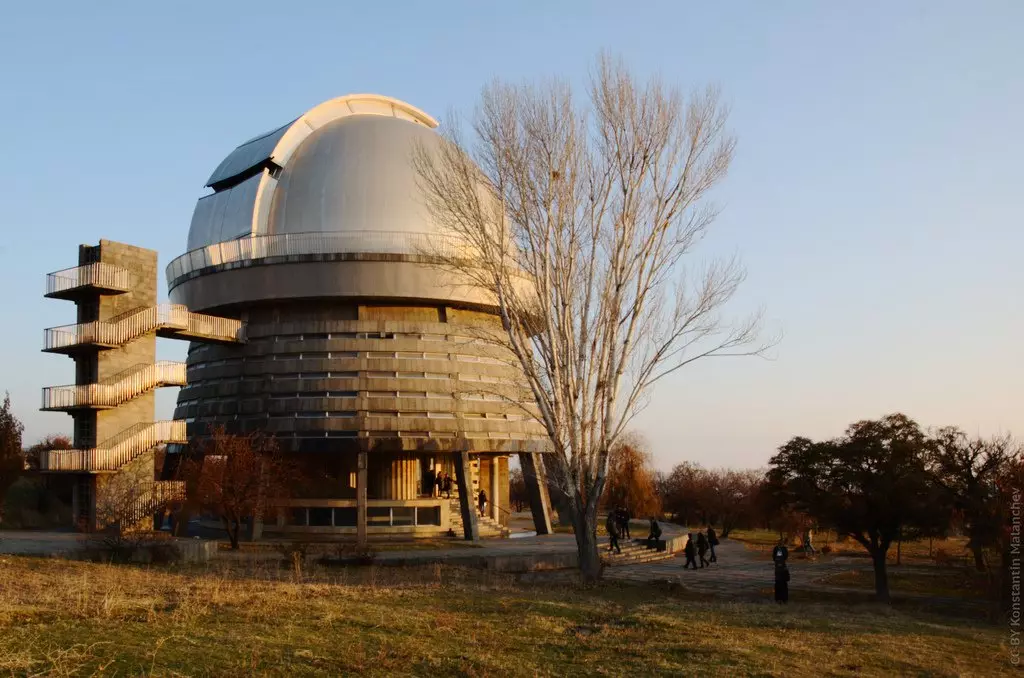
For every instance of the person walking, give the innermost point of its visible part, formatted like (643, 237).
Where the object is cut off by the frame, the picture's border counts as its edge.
(447, 486)
(438, 483)
(625, 517)
(781, 583)
(702, 548)
(712, 543)
(690, 551)
(808, 546)
(611, 525)
(483, 503)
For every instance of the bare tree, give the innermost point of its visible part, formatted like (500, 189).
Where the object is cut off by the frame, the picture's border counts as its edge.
(517, 493)
(577, 221)
(968, 470)
(240, 477)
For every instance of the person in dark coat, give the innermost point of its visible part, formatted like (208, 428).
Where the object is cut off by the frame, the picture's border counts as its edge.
(624, 518)
(655, 533)
(690, 551)
(611, 525)
(439, 483)
(780, 554)
(702, 548)
(781, 583)
(447, 486)
(712, 543)
(483, 502)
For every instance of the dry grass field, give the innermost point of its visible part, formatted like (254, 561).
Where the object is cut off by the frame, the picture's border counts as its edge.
(67, 618)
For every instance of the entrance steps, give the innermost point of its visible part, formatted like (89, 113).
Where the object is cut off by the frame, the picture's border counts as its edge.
(488, 526)
(635, 551)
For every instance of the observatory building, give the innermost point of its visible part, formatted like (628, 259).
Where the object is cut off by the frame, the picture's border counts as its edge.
(360, 355)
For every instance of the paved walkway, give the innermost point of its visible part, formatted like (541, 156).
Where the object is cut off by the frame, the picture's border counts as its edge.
(739, 572)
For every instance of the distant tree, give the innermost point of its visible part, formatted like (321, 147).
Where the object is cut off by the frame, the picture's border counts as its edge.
(517, 489)
(871, 484)
(50, 442)
(681, 491)
(968, 470)
(12, 463)
(239, 477)
(631, 479)
(727, 497)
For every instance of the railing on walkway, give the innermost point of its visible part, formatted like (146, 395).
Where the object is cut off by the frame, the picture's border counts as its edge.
(151, 498)
(119, 388)
(114, 453)
(298, 244)
(121, 329)
(101, 275)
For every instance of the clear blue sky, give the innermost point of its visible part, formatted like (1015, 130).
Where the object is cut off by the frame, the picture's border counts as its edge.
(876, 197)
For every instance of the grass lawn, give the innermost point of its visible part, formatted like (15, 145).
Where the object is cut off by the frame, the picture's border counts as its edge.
(952, 550)
(75, 618)
(932, 581)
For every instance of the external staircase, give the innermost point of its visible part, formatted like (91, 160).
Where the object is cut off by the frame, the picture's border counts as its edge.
(166, 320)
(113, 276)
(634, 551)
(488, 526)
(152, 498)
(113, 454)
(116, 390)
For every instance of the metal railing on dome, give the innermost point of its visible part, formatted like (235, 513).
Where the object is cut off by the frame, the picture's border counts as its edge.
(105, 276)
(117, 389)
(117, 451)
(298, 244)
(136, 322)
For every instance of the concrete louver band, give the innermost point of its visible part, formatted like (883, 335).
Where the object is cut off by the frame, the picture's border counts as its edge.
(305, 375)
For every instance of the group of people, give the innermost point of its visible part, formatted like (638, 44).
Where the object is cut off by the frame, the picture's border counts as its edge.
(442, 482)
(704, 543)
(617, 525)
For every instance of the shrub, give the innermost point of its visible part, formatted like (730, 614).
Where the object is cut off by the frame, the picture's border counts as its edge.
(118, 547)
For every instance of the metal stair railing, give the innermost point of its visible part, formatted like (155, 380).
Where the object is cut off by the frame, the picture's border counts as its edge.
(114, 453)
(117, 389)
(150, 498)
(121, 329)
(98, 274)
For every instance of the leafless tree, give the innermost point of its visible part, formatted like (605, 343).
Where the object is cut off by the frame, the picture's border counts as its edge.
(241, 477)
(578, 221)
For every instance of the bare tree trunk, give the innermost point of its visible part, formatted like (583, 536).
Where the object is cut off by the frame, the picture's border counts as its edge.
(979, 557)
(899, 547)
(585, 527)
(232, 528)
(881, 575)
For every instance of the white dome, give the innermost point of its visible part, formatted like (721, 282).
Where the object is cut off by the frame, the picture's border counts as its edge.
(354, 174)
(343, 166)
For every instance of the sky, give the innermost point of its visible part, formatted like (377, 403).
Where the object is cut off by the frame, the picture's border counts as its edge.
(875, 198)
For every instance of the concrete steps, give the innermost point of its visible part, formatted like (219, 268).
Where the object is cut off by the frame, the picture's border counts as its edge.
(488, 526)
(635, 551)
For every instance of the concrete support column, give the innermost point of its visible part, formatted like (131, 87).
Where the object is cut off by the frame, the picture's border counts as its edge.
(493, 494)
(361, 500)
(463, 476)
(254, 528)
(537, 491)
